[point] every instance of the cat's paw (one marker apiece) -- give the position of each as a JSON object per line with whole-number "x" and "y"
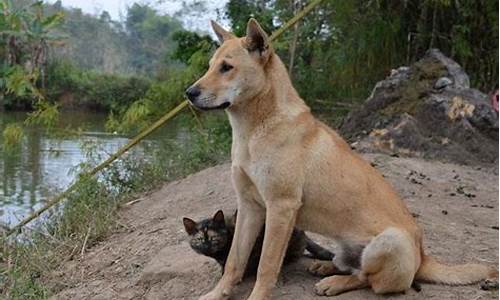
{"x": 322, "y": 268}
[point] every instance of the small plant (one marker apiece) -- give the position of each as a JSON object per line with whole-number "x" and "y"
{"x": 12, "y": 135}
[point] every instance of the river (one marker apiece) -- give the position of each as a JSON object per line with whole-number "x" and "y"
{"x": 45, "y": 165}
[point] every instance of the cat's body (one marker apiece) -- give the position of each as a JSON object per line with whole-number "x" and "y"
{"x": 213, "y": 236}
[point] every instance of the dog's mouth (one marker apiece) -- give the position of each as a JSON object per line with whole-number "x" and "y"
{"x": 224, "y": 105}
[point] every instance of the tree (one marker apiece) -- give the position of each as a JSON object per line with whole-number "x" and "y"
{"x": 25, "y": 35}
{"x": 188, "y": 43}
{"x": 149, "y": 37}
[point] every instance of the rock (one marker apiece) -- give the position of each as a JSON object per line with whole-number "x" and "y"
{"x": 426, "y": 110}
{"x": 458, "y": 75}
{"x": 442, "y": 83}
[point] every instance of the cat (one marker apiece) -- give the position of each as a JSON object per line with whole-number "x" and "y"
{"x": 212, "y": 237}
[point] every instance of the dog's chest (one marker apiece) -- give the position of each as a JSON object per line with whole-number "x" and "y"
{"x": 249, "y": 172}
{"x": 254, "y": 160}
{"x": 244, "y": 182}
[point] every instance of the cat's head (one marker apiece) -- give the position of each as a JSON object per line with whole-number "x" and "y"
{"x": 208, "y": 236}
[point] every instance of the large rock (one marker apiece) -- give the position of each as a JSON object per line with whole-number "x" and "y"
{"x": 427, "y": 110}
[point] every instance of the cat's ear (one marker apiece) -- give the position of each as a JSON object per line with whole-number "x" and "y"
{"x": 189, "y": 225}
{"x": 219, "y": 217}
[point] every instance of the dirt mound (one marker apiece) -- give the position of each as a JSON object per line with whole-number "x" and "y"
{"x": 427, "y": 110}
{"x": 148, "y": 257}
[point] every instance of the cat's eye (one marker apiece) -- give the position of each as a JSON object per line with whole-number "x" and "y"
{"x": 225, "y": 67}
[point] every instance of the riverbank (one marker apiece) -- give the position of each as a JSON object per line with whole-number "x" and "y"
{"x": 90, "y": 213}
{"x": 146, "y": 256}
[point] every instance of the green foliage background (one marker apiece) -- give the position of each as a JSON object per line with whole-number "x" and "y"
{"x": 140, "y": 66}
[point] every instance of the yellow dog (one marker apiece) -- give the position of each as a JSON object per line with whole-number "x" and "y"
{"x": 290, "y": 169}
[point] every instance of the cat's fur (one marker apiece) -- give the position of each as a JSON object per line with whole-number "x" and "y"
{"x": 213, "y": 236}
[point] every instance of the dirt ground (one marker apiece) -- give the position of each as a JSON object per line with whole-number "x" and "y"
{"x": 148, "y": 257}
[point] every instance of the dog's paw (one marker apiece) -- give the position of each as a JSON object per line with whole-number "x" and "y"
{"x": 489, "y": 284}
{"x": 214, "y": 295}
{"x": 322, "y": 268}
{"x": 259, "y": 296}
{"x": 327, "y": 287}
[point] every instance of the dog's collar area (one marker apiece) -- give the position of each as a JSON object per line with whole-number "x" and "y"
{"x": 222, "y": 106}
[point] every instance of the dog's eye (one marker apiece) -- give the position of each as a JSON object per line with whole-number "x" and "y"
{"x": 225, "y": 67}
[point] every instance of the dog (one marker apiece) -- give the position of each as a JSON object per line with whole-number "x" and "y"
{"x": 289, "y": 169}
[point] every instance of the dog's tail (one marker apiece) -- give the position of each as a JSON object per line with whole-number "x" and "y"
{"x": 432, "y": 271}
{"x": 318, "y": 251}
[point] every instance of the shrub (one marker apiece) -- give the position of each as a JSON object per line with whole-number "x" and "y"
{"x": 92, "y": 89}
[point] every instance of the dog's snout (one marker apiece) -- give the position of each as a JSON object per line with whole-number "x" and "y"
{"x": 193, "y": 92}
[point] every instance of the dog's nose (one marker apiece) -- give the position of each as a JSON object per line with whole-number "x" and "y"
{"x": 193, "y": 92}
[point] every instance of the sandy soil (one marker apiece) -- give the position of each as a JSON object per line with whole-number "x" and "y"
{"x": 148, "y": 257}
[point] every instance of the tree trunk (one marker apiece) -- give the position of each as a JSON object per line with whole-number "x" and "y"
{"x": 420, "y": 36}
{"x": 12, "y": 51}
{"x": 434, "y": 29}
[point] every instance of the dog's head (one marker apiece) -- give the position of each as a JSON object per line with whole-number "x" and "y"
{"x": 236, "y": 72}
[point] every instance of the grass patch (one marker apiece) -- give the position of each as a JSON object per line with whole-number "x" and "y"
{"x": 89, "y": 214}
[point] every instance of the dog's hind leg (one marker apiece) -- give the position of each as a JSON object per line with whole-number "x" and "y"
{"x": 337, "y": 284}
{"x": 389, "y": 262}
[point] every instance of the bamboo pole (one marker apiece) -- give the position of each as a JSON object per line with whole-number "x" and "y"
{"x": 295, "y": 19}
{"x": 142, "y": 134}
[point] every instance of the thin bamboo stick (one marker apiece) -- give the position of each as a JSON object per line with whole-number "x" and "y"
{"x": 142, "y": 134}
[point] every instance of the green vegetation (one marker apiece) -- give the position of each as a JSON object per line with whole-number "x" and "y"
{"x": 164, "y": 95}
{"x": 54, "y": 58}
{"x": 26, "y": 35}
{"x": 90, "y": 212}
{"x": 344, "y": 47}
{"x": 75, "y": 88}
{"x": 335, "y": 54}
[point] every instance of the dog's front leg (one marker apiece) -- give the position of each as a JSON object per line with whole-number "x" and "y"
{"x": 281, "y": 215}
{"x": 249, "y": 223}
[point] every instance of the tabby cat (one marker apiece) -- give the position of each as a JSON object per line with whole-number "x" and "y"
{"x": 212, "y": 237}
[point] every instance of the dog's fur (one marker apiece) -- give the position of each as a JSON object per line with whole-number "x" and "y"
{"x": 290, "y": 169}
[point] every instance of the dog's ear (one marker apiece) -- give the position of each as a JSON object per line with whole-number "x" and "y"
{"x": 257, "y": 39}
{"x": 189, "y": 225}
{"x": 221, "y": 33}
{"x": 219, "y": 217}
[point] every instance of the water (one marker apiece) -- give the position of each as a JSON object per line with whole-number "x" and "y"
{"x": 45, "y": 165}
